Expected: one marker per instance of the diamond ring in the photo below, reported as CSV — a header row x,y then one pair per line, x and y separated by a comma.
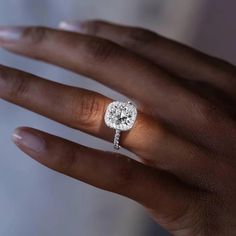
x,y
120,116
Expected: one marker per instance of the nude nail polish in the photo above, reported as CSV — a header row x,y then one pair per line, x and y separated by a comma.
x,y
27,139
10,34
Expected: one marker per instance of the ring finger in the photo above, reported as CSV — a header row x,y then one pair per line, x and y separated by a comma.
x,y
75,107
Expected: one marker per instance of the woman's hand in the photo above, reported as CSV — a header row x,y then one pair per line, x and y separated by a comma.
x,y
185,130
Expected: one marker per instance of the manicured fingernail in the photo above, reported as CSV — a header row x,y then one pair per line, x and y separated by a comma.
x,y
73,26
10,34
30,140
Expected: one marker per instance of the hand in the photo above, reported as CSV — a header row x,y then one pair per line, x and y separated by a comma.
x,y
185,130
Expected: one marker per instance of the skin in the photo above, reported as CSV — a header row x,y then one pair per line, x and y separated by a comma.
x,y
185,131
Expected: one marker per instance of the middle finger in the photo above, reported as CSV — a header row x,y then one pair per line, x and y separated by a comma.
x,y
75,107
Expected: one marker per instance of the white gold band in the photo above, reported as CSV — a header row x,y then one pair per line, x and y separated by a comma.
x,y
117,139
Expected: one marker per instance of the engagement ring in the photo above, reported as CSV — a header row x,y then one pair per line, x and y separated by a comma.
x,y
120,116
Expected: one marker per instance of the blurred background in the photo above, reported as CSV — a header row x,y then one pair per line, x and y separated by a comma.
x,y
35,201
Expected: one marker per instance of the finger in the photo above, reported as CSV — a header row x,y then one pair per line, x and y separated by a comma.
x,y
115,173
170,55
191,163
75,107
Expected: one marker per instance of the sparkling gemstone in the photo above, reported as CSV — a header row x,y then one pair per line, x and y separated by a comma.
x,y
120,115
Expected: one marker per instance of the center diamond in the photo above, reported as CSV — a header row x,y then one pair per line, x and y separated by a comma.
x,y
120,115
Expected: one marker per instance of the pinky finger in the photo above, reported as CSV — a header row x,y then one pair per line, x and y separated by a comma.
x,y
155,189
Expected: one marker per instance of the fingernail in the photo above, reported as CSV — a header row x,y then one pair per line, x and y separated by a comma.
x,y
10,34
27,139
73,26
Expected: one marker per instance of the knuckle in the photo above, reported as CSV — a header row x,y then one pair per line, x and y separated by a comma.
x,y
36,35
92,27
65,162
213,126
86,109
137,37
20,87
100,50
16,84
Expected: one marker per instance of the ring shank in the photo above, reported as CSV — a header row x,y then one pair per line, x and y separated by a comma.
x,y
117,139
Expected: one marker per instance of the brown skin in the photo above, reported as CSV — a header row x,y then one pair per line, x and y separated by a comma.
x,y
185,131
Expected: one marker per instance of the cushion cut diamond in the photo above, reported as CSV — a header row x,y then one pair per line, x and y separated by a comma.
x,y
120,115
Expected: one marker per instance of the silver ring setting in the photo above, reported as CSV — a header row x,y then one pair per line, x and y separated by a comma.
x,y
120,116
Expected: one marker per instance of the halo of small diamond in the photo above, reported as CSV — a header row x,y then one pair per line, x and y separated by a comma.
x,y
120,115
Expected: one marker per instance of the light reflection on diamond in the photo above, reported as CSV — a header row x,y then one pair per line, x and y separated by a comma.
x,y
120,115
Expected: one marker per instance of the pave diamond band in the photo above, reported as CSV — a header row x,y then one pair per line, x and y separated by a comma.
x,y
120,116
117,139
